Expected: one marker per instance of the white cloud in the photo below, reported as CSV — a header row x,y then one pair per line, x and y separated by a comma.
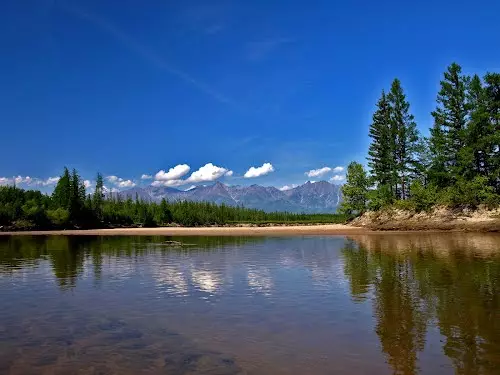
x,y
190,188
120,182
126,183
288,187
337,178
87,184
229,173
146,177
208,172
338,169
253,172
5,181
174,173
23,180
51,181
27,180
318,172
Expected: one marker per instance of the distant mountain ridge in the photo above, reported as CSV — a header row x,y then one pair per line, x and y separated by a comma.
x,y
317,197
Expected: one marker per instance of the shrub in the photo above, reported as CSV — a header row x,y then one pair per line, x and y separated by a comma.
x,y
59,217
469,193
406,205
380,197
423,197
23,225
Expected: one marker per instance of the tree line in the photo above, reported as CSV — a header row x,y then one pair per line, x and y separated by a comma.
x,y
458,164
70,207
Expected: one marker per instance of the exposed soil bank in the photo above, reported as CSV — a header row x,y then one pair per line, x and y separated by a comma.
x,y
440,218
297,230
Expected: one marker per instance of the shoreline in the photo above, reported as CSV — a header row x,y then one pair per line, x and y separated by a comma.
x,y
292,230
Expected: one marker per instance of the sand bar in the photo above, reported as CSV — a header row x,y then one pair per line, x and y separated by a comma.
x,y
296,230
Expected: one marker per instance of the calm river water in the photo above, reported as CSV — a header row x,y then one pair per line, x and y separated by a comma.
x,y
373,304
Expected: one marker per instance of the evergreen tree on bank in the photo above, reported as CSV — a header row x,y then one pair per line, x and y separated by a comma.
x,y
404,138
458,165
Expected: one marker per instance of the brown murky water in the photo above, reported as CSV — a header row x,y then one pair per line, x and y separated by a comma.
x,y
373,304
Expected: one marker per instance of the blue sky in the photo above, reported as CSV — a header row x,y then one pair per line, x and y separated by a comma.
x,y
133,88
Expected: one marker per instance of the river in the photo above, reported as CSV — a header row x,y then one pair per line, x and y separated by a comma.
x,y
367,304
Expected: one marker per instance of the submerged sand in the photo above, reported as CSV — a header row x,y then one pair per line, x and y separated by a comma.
x,y
327,229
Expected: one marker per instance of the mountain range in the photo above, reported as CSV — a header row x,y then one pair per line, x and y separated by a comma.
x,y
311,197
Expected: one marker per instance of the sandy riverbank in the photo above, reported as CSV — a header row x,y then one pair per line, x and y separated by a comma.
x,y
327,229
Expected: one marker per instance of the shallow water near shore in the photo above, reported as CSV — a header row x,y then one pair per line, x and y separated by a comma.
x,y
371,303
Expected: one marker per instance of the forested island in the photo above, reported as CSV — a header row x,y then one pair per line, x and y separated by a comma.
x,y
69,207
456,167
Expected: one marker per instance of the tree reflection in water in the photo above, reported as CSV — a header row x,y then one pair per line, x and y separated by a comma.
x,y
421,280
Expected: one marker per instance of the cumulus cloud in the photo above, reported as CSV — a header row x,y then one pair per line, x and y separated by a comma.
x,y
146,177
120,182
5,181
318,172
337,178
253,172
126,183
174,173
288,187
87,184
51,181
27,180
338,169
208,172
23,180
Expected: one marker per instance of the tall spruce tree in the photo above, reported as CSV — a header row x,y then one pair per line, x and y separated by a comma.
x,y
477,149
448,134
406,140
381,150
62,191
77,196
98,197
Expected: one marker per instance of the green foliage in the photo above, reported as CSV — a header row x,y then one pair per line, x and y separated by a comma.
x,y
450,121
406,139
355,190
423,197
459,165
381,151
380,197
59,217
468,193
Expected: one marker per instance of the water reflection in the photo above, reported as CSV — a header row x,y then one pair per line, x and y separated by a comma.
x,y
387,303
419,280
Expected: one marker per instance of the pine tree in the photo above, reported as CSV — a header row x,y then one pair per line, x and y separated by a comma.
x,y
165,216
98,197
62,191
381,150
77,196
477,148
448,135
405,135
355,190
